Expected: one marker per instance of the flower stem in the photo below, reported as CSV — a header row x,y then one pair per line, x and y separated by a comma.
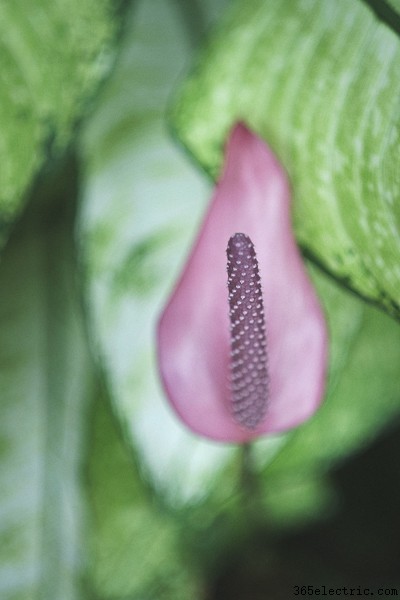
x,y
250,486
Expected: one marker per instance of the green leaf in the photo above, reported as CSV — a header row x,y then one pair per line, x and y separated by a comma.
x,y
53,55
320,81
141,204
135,546
45,378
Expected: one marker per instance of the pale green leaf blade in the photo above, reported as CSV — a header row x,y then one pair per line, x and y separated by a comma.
x,y
141,204
44,382
320,81
135,547
53,56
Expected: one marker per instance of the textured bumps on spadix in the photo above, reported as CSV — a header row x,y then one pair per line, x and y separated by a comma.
x,y
248,364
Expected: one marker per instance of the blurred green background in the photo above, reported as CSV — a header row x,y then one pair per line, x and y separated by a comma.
x,y
113,116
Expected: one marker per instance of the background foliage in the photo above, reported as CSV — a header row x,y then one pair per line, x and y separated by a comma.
x,y
103,493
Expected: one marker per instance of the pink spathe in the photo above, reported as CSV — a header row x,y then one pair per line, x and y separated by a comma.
x,y
193,337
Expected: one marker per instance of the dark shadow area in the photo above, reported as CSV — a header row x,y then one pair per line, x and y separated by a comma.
x,y
385,13
357,548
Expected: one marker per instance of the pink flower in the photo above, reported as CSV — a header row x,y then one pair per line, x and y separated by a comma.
x,y
198,360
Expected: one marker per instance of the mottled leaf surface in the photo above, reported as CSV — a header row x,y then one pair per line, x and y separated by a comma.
x,y
53,55
320,81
